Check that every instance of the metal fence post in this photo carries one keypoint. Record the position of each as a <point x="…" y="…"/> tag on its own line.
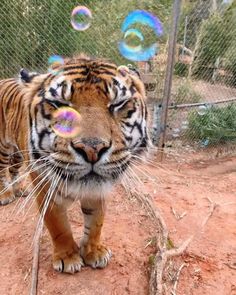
<point x="169" y="70"/>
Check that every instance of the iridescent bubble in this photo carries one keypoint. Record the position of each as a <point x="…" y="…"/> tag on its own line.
<point x="204" y="142"/>
<point x="176" y="132"/>
<point x="142" y="52"/>
<point x="202" y="110"/>
<point x="53" y="62"/>
<point x="81" y="18"/>
<point x="66" y="122"/>
<point x="184" y="125"/>
<point x="133" y="39"/>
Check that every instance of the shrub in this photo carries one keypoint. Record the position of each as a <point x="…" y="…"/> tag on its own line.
<point x="216" y="125"/>
<point x="186" y="94"/>
<point x="181" y="69"/>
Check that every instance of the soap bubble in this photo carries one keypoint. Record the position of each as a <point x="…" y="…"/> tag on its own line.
<point x="53" y="62"/>
<point x="66" y="122"/>
<point x="204" y="142"/>
<point x="184" y="125"/>
<point x="133" y="39"/>
<point x="81" y="18"/>
<point x="141" y="52"/>
<point x="202" y="110"/>
<point x="176" y="132"/>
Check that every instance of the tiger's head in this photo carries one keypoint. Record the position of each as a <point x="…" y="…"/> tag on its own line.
<point x="113" y="125"/>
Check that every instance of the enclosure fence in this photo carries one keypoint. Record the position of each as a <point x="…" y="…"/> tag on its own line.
<point x="202" y="105"/>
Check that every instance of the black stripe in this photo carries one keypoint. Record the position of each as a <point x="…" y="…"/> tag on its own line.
<point x="80" y="80"/>
<point x="4" y="154"/>
<point x="87" y="211"/>
<point x="109" y="66"/>
<point x="117" y="162"/>
<point x="36" y="155"/>
<point x="41" y="136"/>
<point x="44" y="115"/>
<point x="62" y="265"/>
<point x="11" y="96"/>
<point x="102" y="72"/>
<point x="127" y="124"/>
<point x="120" y="104"/>
<point x="136" y="124"/>
<point x="120" y="151"/>
<point x="130" y="113"/>
<point x="121" y="168"/>
<point x="55" y="103"/>
<point x="69" y="67"/>
<point x="128" y="138"/>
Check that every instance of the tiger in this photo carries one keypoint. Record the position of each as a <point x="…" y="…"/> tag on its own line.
<point x="111" y="101"/>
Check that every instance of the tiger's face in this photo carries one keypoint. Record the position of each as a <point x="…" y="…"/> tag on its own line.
<point x="113" y="120"/>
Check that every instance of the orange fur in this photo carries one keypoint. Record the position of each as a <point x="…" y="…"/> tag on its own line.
<point x="111" y="103"/>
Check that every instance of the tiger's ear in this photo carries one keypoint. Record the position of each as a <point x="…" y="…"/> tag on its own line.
<point x="123" y="71"/>
<point x="26" y="77"/>
<point x="134" y="71"/>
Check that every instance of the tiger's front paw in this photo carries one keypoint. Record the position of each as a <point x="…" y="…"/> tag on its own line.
<point x="96" y="256"/>
<point x="6" y="197"/>
<point x="68" y="261"/>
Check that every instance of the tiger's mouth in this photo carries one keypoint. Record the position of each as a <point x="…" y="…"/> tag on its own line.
<point x="77" y="174"/>
<point x="73" y="176"/>
<point x="94" y="177"/>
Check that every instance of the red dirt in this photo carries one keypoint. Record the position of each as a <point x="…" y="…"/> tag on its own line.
<point x="184" y="186"/>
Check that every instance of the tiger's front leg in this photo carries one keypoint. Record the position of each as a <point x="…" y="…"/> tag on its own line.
<point x="66" y="256"/>
<point x="94" y="254"/>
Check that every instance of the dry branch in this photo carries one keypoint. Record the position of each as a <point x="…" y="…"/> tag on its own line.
<point x="231" y="265"/>
<point x="36" y="249"/>
<point x="177" y="278"/>
<point x="177" y="215"/>
<point x="212" y="209"/>
<point x="163" y="254"/>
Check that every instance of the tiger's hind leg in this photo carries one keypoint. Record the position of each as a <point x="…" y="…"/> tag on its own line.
<point x="6" y="190"/>
<point x="16" y="161"/>
<point x="9" y="168"/>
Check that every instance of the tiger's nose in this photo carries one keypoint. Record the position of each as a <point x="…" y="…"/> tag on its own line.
<point x="91" y="149"/>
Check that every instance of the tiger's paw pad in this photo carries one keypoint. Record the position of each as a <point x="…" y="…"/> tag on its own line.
<point x="68" y="264"/>
<point x="96" y="258"/>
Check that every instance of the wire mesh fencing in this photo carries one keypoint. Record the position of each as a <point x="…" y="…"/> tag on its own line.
<point x="202" y="106"/>
<point x="203" y="102"/>
<point x="31" y="31"/>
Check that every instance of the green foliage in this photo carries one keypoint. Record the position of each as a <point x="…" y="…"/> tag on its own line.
<point x="169" y="244"/>
<point x="230" y="54"/>
<point x="32" y="30"/>
<point x="151" y="260"/>
<point x="216" y="125"/>
<point x="181" y="69"/>
<point x="186" y="94"/>
<point x="217" y="39"/>
<point x="196" y="12"/>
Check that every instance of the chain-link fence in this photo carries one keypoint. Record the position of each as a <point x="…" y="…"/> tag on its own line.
<point x="203" y="102"/>
<point x="202" y="106"/>
<point x="31" y="31"/>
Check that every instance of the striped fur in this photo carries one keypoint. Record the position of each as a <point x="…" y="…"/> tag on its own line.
<point x="111" y="102"/>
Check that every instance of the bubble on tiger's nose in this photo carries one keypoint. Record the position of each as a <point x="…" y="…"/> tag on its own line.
<point x="81" y="18"/>
<point x="66" y="122"/>
<point x="140" y="29"/>
<point x="55" y="61"/>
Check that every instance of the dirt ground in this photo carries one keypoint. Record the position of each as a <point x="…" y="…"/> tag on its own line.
<point x="179" y="185"/>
